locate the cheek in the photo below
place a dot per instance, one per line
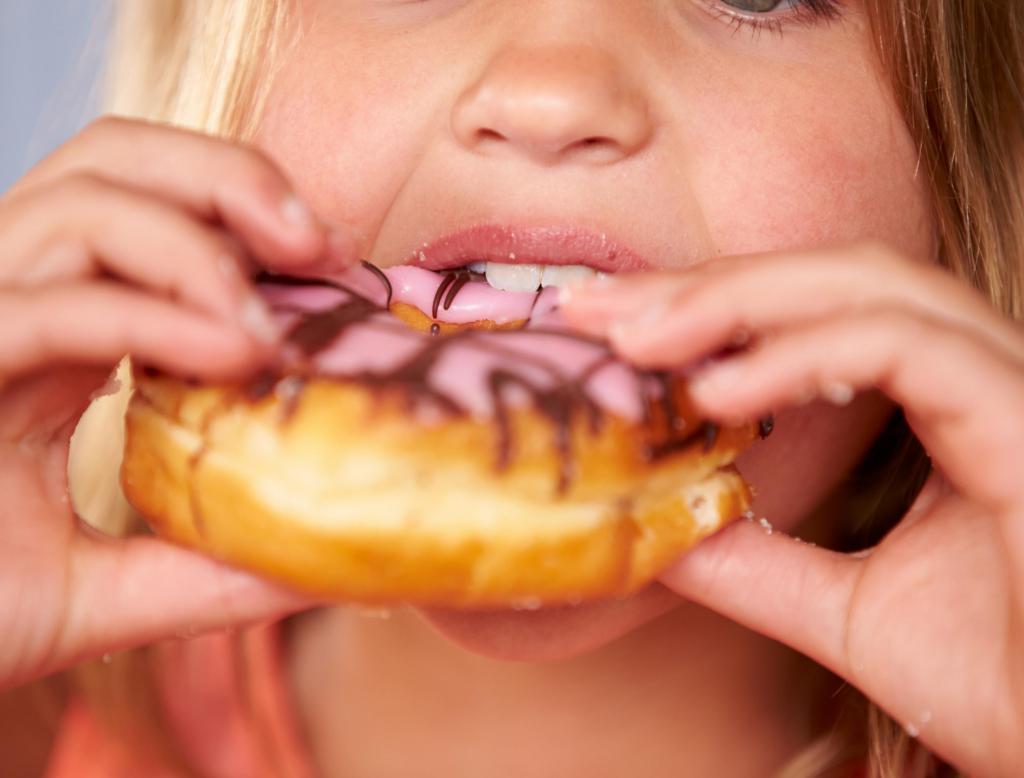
(809, 453)
(348, 121)
(805, 160)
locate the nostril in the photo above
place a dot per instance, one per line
(487, 135)
(595, 149)
(593, 143)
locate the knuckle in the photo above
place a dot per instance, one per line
(102, 131)
(890, 320)
(876, 251)
(82, 184)
(60, 201)
(891, 334)
(206, 254)
(100, 140)
(255, 169)
(224, 254)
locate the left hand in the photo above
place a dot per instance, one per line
(930, 623)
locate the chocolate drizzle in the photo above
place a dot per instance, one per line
(449, 279)
(710, 432)
(556, 404)
(559, 400)
(668, 400)
(448, 290)
(260, 386)
(384, 280)
(461, 279)
(319, 330)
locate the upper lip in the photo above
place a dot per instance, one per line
(544, 245)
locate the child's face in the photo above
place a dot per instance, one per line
(410, 120)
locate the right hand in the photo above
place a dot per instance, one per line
(133, 239)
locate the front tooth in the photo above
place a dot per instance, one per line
(478, 267)
(514, 278)
(561, 275)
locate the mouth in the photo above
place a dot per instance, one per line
(490, 276)
(499, 276)
(526, 259)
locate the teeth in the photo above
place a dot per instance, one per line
(514, 278)
(530, 278)
(562, 275)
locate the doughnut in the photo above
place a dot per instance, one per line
(422, 437)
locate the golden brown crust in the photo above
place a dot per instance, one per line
(415, 318)
(339, 492)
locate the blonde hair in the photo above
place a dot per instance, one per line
(195, 63)
(957, 70)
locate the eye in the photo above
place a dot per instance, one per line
(774, 15)
(756, 6)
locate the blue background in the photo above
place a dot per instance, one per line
(50, 57)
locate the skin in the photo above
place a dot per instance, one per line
(740, 157)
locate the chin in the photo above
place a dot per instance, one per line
(549, 634)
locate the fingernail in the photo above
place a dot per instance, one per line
(806, 396)
(341, 246)
(837, 392)
(567, 292)
(723, 377)
(256, 319)
(638, 326)
(582, 286)
(600, 281)
(297, 214)
(740, 338)
(229, 270)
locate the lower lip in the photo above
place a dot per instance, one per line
(549, 634)
(528, 245)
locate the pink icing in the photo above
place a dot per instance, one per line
(476, 301)
(544, 352)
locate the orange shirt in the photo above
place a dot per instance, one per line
(227, 721)
(230, 713)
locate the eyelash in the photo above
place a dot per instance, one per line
(804, 12)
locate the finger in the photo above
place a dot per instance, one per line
(128, 593)
(774, 584)
(860, 615)
(39, 406)
(216, 179)
(684, 315)
(99, 322)
(85, 225)
(961, 396)
(805, 597)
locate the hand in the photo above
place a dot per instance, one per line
(132, 238)
(930, 623)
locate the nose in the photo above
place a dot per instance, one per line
(554, 105)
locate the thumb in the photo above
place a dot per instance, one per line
(774, 584)
(127, 593)
(338, 251)
(39, 408)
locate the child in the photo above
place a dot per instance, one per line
(801, 176)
